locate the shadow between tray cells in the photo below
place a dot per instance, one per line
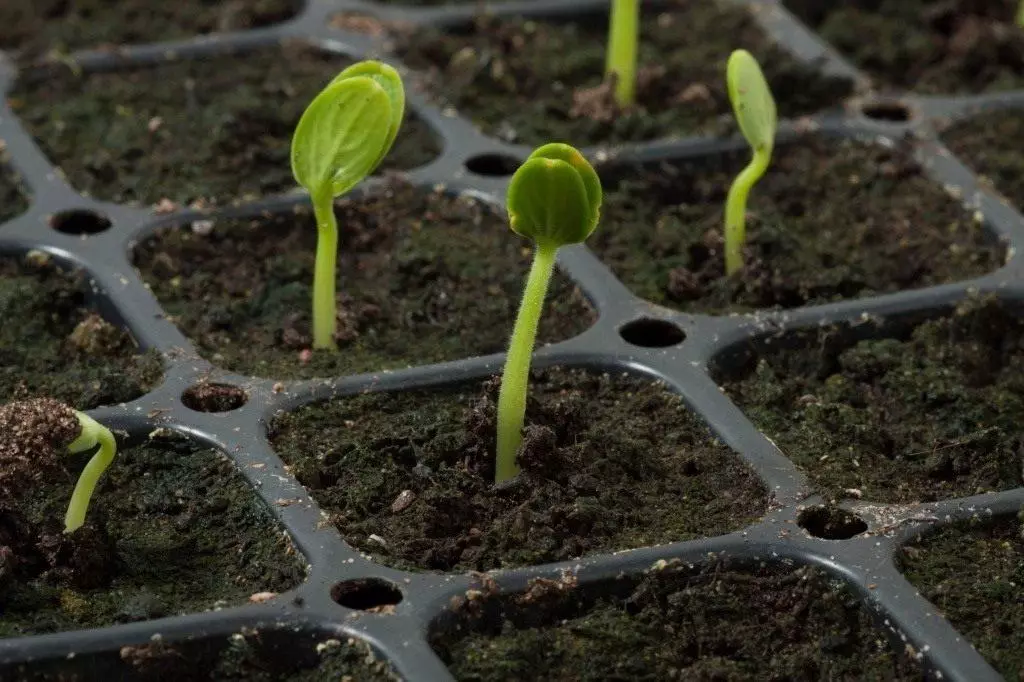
(423, 276)
(610, 462)
(173, 528)
(918, 408)
(197, 131)
(832, 219)
(716, 620)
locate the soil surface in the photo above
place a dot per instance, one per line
(422, 277)
(830, 220)
(532, 82)
(918, 416)
(206, 131)
(974, 573)
(172, 528)
(58, 347)
(13, 201)
(923, 45)
(712, 623)
(33, 28)
(980, 143)
(609, 463)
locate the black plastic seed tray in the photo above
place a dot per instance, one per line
(629, 334)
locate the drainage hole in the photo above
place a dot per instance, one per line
(896, 112)
(366, 594)
(830, 523)
(651, 333)
(79, 222)
(492, 165)
(213, 398)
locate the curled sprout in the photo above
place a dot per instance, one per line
(93, 434)
(754, 107)
(620, 61)
(344, 134)
(554, 198)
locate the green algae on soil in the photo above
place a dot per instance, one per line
(831, 220)
(173, 528)
(715, 622)
(202, 131)
(422, 277)
(955, 46)
(610, 462)
(33, 28)
(981, 143)
(914, 414)
(530, 82)
(973, 573)
(56, 347)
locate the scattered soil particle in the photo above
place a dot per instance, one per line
(203, 131)
(520, 79)
(173, 528)
(973, 572)
(981, 143)
(928, 46)
(422, 277)
(911, 415)
(609, 463)
(33, 28)
(715, 622)
(830, 220)
(39, 355)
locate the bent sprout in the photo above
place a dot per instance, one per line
(93, 434)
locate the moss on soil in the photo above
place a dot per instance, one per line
(610, 463)
(907, 417)
(927, 46)
(712, 623)
(57, 347)
(981, 143)
(974, 572)
(518, 78)
(214, 130)
(32, 28)
(422, 277)
(173, 528)
(831, 220)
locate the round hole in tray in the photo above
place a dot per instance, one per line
(79, 222)
(831, 523)
(651, 333)
(366, 594)
(895, 112)
(206, 397)
(492, 165)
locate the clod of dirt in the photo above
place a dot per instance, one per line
(33, 435)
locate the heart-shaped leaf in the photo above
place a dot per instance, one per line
(752, 100)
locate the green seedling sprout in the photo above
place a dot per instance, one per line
(1020, 14)
(623, 36)
(554, 198)
(754, 106)
(344, 134)
(93, 434)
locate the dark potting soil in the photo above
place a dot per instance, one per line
(918, 415)
(213, 130)
(422, 277)
(57, 347)
(13, 201)
(172, 528)
(922, 45)
(830, 220)
(532, 81)
(981, 144)
(973, 573)
(33, 28)
(714, 622)
(610, 462)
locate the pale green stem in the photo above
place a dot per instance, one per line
(736, 209)
(1020, 14)
(516, 376)
(93, 433)
(324, 310)
(623, 36)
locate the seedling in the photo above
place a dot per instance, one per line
(93, 434)
(1020, 14)
(344, 134)
(623, 36)
(554, 198)
(754, 106)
